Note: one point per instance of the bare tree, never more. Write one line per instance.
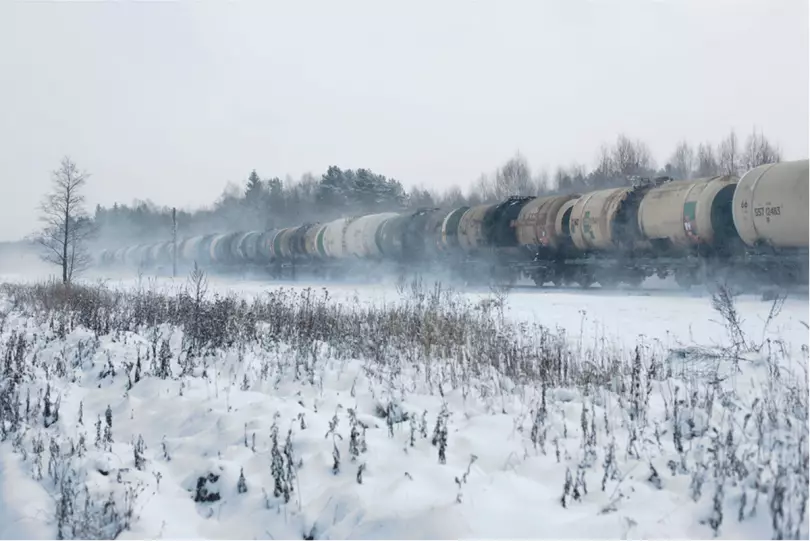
(706, 161)
(67, 225)
(542, 182)
(604, 163)
(483, 189)
(730, 155)
(514, 178)
(631, 158)
(759, 151)
(682, 161)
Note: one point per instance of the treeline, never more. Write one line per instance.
(266, 203)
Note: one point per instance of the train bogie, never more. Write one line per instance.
(683, 214)
(771, 205)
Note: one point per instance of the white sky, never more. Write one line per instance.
(169, 101)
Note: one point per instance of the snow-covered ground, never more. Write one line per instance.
(661, 447)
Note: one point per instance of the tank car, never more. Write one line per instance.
(770, 213)
(404, 238)
(313, 242)
(689, 215)
(361, 235)
(771, 206)
(447, 237)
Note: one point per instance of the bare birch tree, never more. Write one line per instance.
(513, 178)
(730, 155)
(683, 161)
(759, 151)
(67, 225)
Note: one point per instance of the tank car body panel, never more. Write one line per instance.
(687, 213)
(298, 239)
(606, 220)
(392, 236)
(235, 246)
(153, 257)
(334, 238)
(118, 256)
(445, 235)
(249, 246)
(264, 246)
(771, 205)
(165, 253)
(537, 222)
(501, 231)
(282, 244)
(204, 249)
(190, 249)
(562, 223)
(134, 255)
(361, 235)
(472, 227)
(406, 237)
(311, 238)
(220, 249)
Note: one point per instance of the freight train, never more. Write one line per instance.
(751, 229)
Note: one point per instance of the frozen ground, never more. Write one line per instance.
(712, 440)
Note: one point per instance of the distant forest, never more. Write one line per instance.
(267, 203)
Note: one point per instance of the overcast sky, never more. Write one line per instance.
(170, 101)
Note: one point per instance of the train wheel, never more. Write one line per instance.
(539, 278)
(684, 278)
(585, 279)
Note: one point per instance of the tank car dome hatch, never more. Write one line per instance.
(771, 205)
(685, 213)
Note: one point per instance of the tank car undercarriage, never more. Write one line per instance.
(749, 272)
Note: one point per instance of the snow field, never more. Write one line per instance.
(680, 441)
